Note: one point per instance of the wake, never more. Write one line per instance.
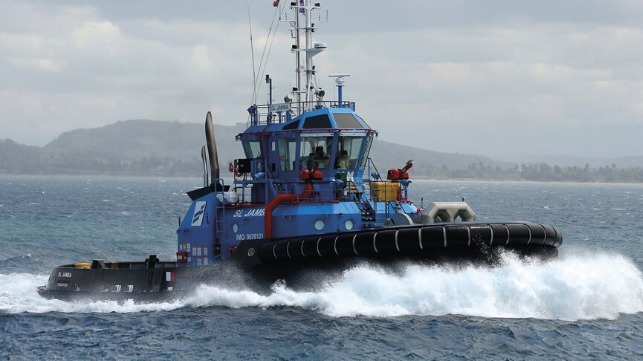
(573, 287)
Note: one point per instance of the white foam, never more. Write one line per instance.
(576, 286)
(18, 294)
(571, 288)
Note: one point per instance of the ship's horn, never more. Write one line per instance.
(212, 148)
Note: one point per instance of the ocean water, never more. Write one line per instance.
(586, 305)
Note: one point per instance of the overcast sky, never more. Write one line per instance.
(480, 77)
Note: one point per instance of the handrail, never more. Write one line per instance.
(284, 112)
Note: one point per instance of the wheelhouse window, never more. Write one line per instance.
(317, 122)
(348, 152)
(287, 153)
(315, 152)
(347, 121)
(252, 149)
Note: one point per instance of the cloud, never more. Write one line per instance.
(201, 57)
(37, 64)
(97, 37)
(75, 69)
(459, 75)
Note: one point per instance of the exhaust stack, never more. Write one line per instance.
(212, 148)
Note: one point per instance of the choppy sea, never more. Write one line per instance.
(586, 305)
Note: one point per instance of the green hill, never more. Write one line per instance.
(156, 148)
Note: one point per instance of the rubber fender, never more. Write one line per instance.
(309, 247)
(385, 242)
(481, 234)
(407, 240)
(554, 237)
(432, 237)
(519, 234)
(326, 246)
(500, 234)
(363, 244)
(279, 250)
(538, 234)
(344, 245)
(457, 236)
(294, 248)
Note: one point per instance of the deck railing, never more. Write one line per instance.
(284, 112)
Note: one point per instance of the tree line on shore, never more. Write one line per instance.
(168, 167)
(20, 159)
(540, 172)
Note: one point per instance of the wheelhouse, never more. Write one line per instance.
(329, 146)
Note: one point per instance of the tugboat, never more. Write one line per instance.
(306, 195)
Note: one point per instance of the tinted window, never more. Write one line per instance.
(317, 122)
(293, 125)
(346, 121)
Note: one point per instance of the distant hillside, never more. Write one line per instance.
(426, 163)
(137, 139)
(155, 148)
(17, 158)
(145, 147)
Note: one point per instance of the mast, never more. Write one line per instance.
(297, 62)
(304, 8)
(309, 41)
